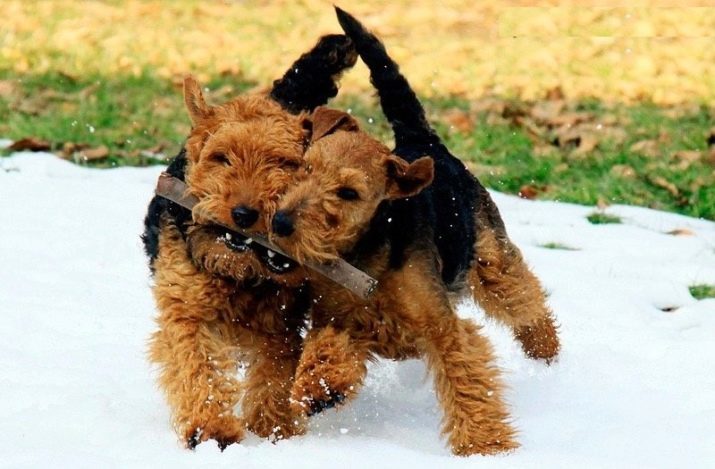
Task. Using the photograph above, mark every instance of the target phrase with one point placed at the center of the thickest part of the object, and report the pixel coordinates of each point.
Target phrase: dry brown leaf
(459, 120)
(70, 148)
(529, 191)
(587, 144)
(664, 184)
(649, 148)
(489, 105)
(535, 133)
(681, 232)
(7, 88)
(685, 158)
(623, 171)
(555, 93)
(547, 111)
(688, 155)
(710, 157)
(541, 150)
(30, 144)
(93, 154)
(570, 119)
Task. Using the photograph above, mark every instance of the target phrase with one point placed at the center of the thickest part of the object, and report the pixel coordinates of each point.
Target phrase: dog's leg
(266, 402)
(331, 370)
(508, 291)
(467, 381)
(194, 347)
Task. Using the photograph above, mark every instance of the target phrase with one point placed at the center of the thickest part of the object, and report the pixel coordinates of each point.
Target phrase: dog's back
(448, 205)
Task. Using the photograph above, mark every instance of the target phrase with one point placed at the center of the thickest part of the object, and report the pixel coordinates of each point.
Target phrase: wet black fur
(441, 215)
(308, 83)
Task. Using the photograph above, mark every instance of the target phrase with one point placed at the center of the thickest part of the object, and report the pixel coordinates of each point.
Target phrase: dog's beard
(230, 254)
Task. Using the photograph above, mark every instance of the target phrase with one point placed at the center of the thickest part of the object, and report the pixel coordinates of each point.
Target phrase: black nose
(244, 216)
(282, 225)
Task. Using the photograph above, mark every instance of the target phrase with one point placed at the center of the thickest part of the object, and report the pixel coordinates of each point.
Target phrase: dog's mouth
(276, 263)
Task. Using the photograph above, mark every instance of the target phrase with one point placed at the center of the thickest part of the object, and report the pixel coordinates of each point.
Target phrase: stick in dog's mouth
(274, 258)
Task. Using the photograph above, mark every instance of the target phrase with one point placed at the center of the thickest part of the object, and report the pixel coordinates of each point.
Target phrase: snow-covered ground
(634, 386)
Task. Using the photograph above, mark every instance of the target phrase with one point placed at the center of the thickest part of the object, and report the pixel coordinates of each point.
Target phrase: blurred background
(582, 101)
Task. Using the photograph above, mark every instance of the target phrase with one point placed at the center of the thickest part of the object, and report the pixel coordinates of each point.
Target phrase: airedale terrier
(424, 243)
(220, 297)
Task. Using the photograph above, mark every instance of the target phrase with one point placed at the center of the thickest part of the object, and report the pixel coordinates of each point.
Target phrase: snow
(634, 386)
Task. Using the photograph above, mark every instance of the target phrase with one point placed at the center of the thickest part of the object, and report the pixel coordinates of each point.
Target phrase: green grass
(133, 114)
(702, 291)
(558, 246)
(600, 218)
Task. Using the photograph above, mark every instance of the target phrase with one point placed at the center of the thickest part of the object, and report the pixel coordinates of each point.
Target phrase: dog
(420, 223)
(221, 298)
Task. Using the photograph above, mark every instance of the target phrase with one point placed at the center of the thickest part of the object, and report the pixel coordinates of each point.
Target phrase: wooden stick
(339, 271)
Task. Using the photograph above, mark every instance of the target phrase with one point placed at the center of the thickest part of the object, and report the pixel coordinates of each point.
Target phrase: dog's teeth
(286, 265)
(228, 236)
(271, 254)
(248, 241)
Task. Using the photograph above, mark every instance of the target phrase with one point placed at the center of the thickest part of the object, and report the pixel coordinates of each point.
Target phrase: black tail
(312, 79)
(399, 102)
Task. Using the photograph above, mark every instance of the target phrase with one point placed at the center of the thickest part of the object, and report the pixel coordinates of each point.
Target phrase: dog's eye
(219, 158)
(290, 165)
(347, 193)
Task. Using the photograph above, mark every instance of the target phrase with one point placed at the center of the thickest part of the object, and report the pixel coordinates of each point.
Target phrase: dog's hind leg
(502, 284)
(467, 381)
(194, 347)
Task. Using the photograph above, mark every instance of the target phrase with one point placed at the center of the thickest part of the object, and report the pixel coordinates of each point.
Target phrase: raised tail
(312, 79)
(399, 102)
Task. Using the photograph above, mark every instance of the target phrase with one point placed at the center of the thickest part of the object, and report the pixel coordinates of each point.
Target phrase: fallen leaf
(93, 154)
(664, 184)
(685, 158)
(710, 159)
(587, 144)
(489, 105)
(546, 111)
(555, 93)
(30, 144)
(649, 148)
(688, 155)
(623, 171)
(528, 191)
(535, 132)
(681, 232)
(458, 119)
(7, 88)
(70, 148)
(570, 118)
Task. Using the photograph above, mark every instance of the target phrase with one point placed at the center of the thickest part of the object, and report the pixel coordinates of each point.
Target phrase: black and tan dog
(221, 297)
(424, 243)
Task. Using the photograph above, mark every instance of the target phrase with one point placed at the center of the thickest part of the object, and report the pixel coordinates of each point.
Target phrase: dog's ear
(325, 121)
(194, 100)
(407, 179)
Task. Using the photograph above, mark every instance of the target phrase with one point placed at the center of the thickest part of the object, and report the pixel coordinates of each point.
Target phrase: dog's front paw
(224, 430)
(323, 387)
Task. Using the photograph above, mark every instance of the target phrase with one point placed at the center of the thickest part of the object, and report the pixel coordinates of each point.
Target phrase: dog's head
(242, 155)
(348, 174)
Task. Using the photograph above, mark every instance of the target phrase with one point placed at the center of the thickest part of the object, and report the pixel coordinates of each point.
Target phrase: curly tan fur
(216, 302)
(207, 325)
(507, 290)
(410, 314)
